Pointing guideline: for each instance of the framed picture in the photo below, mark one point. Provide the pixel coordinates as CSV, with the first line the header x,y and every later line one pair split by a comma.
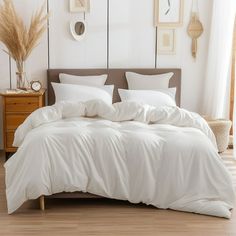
x,y
168,13
79,6
166,41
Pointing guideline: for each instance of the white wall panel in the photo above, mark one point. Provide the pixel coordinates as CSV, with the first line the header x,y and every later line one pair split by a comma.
x,y
37,63
132,34
4,83
4,68
65,52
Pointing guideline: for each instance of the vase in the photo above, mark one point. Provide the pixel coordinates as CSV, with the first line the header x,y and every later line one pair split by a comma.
x,y
21,78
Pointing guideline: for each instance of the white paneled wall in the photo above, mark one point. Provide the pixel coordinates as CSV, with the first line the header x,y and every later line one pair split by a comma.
x,y
4,68
65,52
125,36
4,81
132,35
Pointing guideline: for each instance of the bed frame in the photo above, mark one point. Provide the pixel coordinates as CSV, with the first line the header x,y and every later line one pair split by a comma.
x,y
116,77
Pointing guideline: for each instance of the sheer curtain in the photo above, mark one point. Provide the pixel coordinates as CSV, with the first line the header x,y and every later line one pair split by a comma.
x,y
216,87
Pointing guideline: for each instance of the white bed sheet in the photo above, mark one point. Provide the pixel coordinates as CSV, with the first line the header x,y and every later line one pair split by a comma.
x,y
165,157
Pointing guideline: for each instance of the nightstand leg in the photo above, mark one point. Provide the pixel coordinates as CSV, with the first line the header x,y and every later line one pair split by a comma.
x,y
7,155
42,203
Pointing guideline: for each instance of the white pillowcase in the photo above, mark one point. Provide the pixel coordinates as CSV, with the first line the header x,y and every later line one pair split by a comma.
x,y
69,92
97,80
148,82
170,91
151,97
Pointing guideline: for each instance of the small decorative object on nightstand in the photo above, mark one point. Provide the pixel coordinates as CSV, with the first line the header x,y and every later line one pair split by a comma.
x,y
36,86
16,107
221,129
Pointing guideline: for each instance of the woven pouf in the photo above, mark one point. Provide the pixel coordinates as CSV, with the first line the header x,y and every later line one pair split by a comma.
x,y
221,129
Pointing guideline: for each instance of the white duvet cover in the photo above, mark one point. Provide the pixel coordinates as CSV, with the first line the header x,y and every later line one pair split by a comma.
x,y
165,157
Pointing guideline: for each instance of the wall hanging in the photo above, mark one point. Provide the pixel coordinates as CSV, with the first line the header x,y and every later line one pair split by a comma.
x,y
166,41
195,27
78,29
79,5
168,13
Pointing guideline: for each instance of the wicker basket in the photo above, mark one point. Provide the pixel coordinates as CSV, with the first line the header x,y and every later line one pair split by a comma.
x,y
221,129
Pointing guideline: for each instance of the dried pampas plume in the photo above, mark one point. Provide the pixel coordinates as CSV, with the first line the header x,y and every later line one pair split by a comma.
x,y
19,39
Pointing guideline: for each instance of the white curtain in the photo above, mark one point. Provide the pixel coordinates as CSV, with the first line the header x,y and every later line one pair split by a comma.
x,y
216,87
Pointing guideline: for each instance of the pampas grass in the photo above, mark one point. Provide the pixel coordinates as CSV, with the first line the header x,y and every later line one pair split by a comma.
x,y
19,39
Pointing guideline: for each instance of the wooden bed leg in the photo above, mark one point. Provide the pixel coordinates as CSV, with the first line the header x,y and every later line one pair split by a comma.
x,y
42,203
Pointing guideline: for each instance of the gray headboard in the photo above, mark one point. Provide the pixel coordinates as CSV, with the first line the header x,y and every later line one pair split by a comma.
x,y
116,77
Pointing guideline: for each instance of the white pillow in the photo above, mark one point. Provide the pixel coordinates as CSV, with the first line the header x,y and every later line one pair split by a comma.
x,y
150,97
170,91
97,80
69,92
148,82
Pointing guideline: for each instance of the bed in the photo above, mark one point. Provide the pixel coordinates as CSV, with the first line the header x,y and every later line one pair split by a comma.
x,y
165,157
116,77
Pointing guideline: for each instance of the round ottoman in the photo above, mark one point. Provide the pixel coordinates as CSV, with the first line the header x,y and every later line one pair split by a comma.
x,y
221,129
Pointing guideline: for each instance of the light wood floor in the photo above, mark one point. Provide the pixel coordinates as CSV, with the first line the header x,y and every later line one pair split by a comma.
x,y
107,217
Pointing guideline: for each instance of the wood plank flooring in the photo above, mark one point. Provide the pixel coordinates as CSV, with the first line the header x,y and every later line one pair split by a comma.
x,y
107,217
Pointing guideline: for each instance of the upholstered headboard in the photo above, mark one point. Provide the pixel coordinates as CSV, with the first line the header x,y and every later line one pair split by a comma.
x,y
115,76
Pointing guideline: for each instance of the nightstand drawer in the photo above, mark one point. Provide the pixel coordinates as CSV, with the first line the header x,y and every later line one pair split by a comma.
x,y
21,104
14,120
9,139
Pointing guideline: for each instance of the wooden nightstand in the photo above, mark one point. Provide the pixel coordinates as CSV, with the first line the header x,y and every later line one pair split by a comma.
x,y
16,107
